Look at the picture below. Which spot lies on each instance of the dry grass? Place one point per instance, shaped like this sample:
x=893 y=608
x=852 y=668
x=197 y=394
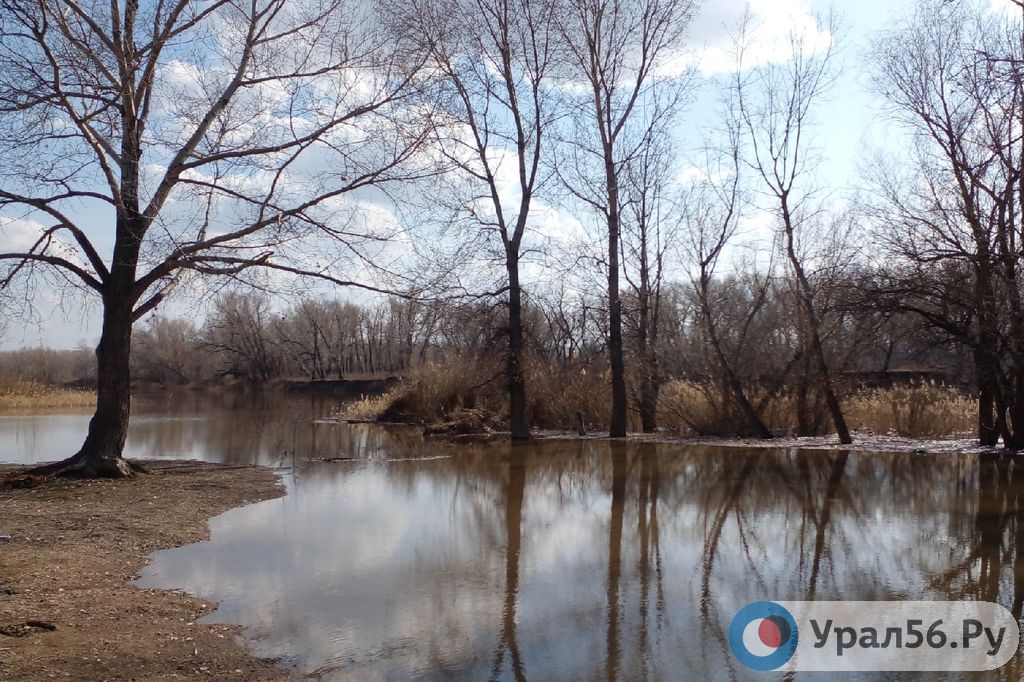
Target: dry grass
x=683 y=406
x=695 y=409
x=924 y=410
x=554 y=395
x=368 y=408
x=429 y=392
x=21 y=394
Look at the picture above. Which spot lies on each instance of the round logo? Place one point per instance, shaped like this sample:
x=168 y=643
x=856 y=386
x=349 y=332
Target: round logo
x=763 y=635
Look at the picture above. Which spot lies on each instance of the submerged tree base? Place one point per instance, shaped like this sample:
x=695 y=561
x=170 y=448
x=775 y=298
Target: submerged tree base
x=89 y=465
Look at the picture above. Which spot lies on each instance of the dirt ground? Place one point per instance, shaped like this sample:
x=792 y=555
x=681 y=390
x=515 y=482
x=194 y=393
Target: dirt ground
x=72 y=547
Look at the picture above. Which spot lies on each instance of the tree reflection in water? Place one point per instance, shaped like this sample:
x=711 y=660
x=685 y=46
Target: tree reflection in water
x=514 y=491
x=588 y=559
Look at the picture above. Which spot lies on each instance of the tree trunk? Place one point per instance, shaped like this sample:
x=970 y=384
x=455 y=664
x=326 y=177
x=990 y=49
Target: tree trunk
x=814 y=332
x=518 y=423
x=648 y=369
x=100 y=454
x=617 y=427
x=647 y=340
x=988 y=432
x=842 y=430
x=803 y=416
x=1015 y=416
x=649 y=389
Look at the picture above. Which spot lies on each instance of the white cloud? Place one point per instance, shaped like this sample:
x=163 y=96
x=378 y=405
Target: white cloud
x=772 y=25
x=21 y=234
x=18 y=234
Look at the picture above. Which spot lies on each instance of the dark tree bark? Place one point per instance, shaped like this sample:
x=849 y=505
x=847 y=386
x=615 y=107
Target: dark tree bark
x=988 y=430
x=108 y=428
x=645 y=345
x=616 y=359
x=100 y=454
x=519 y=424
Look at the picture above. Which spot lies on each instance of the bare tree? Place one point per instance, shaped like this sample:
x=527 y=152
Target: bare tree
x=568 y=333
x=775 y=103
x=238 y=330
x=954 y=75
x=167 y=351
x=306 y=335
x=648 y=233
x=620 y=54
x=493 y=59
x=200 y=138
x=712 y=207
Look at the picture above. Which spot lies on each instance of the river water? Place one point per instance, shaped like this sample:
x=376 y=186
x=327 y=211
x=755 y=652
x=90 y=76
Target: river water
x=557 y=560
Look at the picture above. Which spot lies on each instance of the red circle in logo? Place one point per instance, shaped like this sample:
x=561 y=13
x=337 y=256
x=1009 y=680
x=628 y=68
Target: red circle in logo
x=769 y=633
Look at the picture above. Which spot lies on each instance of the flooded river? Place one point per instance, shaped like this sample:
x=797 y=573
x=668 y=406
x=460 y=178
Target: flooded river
x=558 y=560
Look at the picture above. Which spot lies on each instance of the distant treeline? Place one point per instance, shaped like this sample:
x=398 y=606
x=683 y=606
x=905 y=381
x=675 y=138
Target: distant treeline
x=756 y=345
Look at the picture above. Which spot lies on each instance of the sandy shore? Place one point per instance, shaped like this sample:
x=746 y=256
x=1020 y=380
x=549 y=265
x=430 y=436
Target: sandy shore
x=66 y=610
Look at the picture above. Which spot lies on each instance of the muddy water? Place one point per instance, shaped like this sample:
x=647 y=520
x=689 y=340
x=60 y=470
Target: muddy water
x=565 y=560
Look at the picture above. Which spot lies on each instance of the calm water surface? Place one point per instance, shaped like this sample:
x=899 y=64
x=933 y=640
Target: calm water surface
x=556 y=560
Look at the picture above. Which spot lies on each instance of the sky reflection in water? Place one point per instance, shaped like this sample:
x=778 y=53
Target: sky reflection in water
x=556 y=560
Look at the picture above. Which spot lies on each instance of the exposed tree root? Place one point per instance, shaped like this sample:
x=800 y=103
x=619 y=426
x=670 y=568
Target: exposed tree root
x=84 y=465
x=18 y=481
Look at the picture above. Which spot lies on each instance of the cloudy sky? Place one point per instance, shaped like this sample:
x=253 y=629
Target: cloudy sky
x=850 y=123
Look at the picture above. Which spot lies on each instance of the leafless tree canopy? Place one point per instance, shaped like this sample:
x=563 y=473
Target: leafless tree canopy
x=953 y=76
x=146 y=141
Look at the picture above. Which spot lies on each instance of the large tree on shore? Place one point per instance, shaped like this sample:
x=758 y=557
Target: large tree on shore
x=147 y=141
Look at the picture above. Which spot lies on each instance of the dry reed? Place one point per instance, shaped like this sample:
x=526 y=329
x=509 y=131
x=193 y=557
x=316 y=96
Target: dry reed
x=21 y=394
x=555 y=394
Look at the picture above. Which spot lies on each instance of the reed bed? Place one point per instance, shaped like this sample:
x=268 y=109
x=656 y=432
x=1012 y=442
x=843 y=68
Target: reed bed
x=923 y=410
x=21 y=394
x=554 y=395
